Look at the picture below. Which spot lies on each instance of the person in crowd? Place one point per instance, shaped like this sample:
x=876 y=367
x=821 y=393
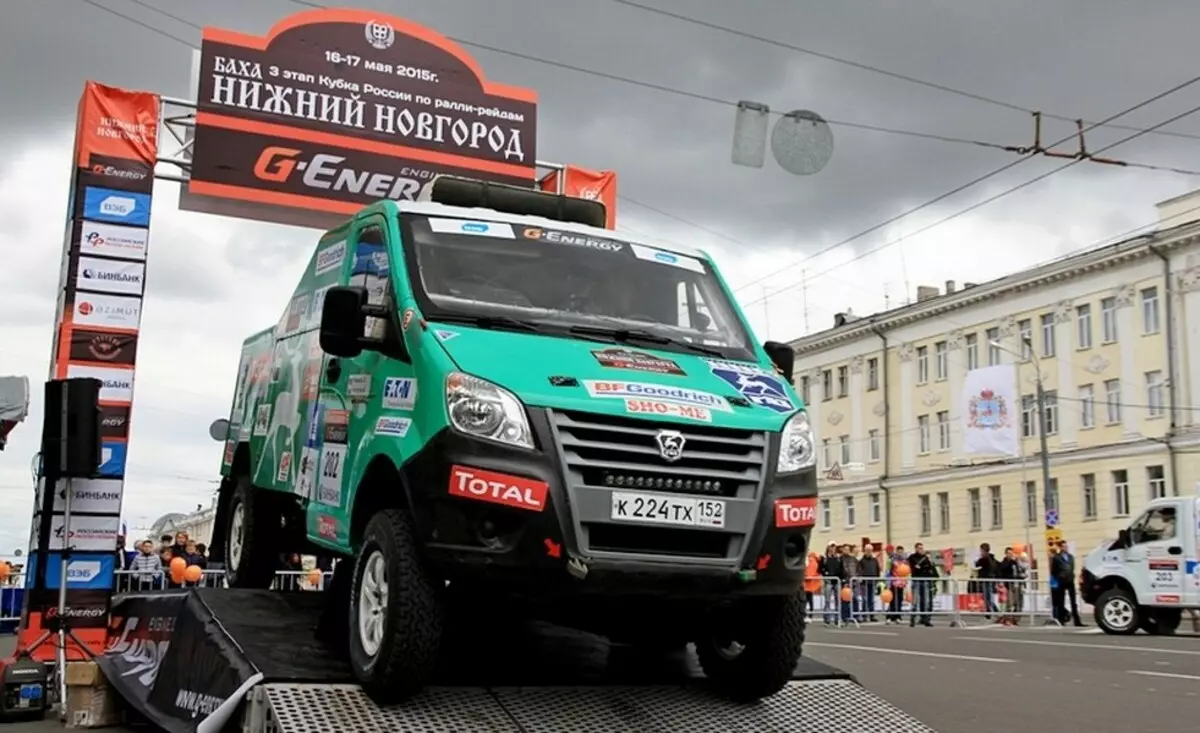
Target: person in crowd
x=868 y=567
x=1012 y=573
x=165 y=541
x=1062 y=573
x=146 y=568
x=924 y=578
x=897 y=585
x=831 y=572
x=194 y=556
x=985 y=571
x=125 y=556
x=812 y=580
x=850 y=579
x=179 y=549
x=166 y=555
x=202 y=550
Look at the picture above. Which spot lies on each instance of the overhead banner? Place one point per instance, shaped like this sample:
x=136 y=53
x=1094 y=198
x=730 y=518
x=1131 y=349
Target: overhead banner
x=587 y=184
x=96 y=331
x=989 y=407
x=334 y=109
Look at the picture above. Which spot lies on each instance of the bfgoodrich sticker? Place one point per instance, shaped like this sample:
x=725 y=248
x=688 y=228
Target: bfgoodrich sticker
x=660 y=392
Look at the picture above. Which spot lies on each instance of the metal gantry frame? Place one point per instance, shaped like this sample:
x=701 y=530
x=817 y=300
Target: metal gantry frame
x=177 y=119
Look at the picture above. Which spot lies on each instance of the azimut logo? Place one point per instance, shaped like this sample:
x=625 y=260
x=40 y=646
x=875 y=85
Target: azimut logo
x=332 y=173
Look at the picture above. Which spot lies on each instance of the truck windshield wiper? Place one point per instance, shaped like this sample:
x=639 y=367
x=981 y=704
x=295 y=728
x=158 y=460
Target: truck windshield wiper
x=496 y=322
x=629 y=335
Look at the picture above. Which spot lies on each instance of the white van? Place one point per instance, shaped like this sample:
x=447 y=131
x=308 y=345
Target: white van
x=1149 y=575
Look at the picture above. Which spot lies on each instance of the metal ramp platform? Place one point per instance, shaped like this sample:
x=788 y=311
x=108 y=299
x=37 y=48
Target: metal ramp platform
x=807 y=706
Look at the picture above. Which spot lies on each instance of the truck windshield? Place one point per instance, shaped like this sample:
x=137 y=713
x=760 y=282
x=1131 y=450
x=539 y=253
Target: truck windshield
x=565 y=283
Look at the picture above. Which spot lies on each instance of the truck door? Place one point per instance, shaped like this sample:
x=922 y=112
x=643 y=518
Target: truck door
x=1190 y=529
x=347 y=389
x=1155 y=558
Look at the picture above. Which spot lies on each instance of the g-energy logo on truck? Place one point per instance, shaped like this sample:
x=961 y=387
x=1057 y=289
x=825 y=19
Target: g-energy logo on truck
x=380 y=178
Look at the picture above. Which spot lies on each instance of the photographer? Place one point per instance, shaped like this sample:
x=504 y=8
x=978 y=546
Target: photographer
x=924 y=575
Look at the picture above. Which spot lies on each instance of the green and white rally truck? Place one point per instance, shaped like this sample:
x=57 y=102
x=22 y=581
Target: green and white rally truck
x=487 y=397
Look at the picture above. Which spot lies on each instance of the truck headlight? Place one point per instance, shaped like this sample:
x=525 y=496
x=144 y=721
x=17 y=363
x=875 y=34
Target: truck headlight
x=478 y=407
x=796 y=446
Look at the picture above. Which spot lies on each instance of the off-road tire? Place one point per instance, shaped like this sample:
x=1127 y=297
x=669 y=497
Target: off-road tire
x=412 y=629
x=1160 y=621
x=771 y=632
x=333 y=627
x=260 y=547
x=1117 y=596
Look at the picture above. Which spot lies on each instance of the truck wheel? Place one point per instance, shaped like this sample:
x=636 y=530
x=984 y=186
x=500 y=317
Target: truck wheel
x=396 y=612
x=751 y=650
x=251 y=550
x=1161 y=621
x=1117 y=612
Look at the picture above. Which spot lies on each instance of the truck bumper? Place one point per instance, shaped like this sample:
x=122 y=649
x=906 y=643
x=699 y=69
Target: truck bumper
x=567 y=543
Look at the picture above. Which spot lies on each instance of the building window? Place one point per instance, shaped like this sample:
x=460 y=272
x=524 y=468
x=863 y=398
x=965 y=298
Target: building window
x=826 y=514
x=1087 y=406
x=1156 y=481
x=993 y=339
x=1112 y=396
x=876 y=508
x=850 y=513
x=923 y=433
x=971 y=345
x=873 y=444
x=805 y=390
x=1088 y=484
x=1051 y=401
x=976 y=509
x=843 y=381
x=1083 y=326
x=922 y=364
x=872 y=374
x=1026 y=329
x=1028 y=416
x=1150 y=310
x=1051 y=499
x=1108 y=319
x=1031 y=508
x=844 y=446
x=944 y=512
x=1047 y=334
x=943 y=420
x=827 y=385
x=997 y=500
x=1120 y=485
x=926 y=518
x=1154 y=394
x=825 y=455
x=941 y=359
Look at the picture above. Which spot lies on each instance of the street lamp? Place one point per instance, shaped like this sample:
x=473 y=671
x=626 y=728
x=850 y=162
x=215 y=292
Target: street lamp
x=1047 y=503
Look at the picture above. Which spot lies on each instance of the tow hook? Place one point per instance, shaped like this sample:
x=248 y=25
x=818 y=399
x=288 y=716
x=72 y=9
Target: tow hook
x=577 y=567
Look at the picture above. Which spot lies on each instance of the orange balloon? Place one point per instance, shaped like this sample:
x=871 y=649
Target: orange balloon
x=5 y=569
x=847 y=595
x=886 y=596
x=178 y=564
x=193 y=574
x=177 y=574
x=903 y=570
x=314 y=577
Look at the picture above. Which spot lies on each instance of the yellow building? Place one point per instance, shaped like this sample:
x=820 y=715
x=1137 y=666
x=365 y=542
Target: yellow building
x=885 y=393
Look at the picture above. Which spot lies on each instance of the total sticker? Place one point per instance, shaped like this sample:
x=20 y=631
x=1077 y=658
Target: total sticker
x=329 y=484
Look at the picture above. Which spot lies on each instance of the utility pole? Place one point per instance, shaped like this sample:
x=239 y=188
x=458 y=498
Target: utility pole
x=804 y=296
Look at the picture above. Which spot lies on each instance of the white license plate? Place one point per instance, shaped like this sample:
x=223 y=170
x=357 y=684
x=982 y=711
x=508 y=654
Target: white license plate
x=667 y=509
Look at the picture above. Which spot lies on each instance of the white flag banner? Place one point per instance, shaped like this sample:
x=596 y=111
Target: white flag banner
x=990 y=409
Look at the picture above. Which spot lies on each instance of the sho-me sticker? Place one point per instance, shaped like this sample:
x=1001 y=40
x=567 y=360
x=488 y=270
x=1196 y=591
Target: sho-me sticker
x=399 y=393
x=668 y=409
x=754 y=383
x=473 y=228
x=663 y=257
x=394 y=426
x=662 y=392
x=637 y=361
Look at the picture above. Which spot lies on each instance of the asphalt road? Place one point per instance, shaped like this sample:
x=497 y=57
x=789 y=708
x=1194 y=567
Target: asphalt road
x=1000 y=680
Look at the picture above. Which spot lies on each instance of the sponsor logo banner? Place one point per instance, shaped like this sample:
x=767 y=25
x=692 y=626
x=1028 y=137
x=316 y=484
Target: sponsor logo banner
x=399 y=393
x=659 y=392
x=663 y=257
x=112 y=348
x=116 y=125
x=109 y=276
x=755 y=384
x=86 y=608
x=796 y=512
x=495 y=229
x=114 y=172
x=498 y=488
x=111 y=240
x=587 y=184
x=107 y=311
x=358 y=80
x=394 y=426
x=112 y=459
x=574 y=239
x=116 y=385
x=114 y=422
x=638 y=361
x=91 y=571
x=668 y=409
x=87 y=533
x=116 y=207
x=88 y=496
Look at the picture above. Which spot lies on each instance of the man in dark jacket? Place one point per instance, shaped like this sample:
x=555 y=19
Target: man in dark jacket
x=868 y=568
x=849 y=576
x=831 y=572
x=924 y=577
x=1062 y=567
x=1012 y=573
x=985 y=570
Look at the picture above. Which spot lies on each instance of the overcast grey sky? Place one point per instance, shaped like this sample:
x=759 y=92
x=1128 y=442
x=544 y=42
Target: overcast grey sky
x=213 y=280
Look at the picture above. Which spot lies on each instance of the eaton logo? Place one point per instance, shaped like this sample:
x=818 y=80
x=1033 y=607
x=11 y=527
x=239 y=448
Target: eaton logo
x=399 y=393
x=117 y=207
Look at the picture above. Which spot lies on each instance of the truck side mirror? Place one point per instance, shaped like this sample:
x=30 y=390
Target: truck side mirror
x=782 y=356
x=343 y=321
